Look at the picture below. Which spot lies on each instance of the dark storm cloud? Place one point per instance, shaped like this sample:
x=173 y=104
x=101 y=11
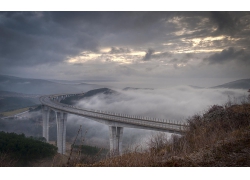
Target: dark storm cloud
x=226 y=23
x=36 y=38
x=168 y=57
x=229 y=55
x=50 y=38
x=148 y=54
x=184 y=59
x=30 y=38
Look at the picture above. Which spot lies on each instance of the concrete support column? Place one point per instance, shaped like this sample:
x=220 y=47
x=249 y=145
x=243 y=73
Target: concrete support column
x=45 y=116
x=115 y=139
x=61 y=120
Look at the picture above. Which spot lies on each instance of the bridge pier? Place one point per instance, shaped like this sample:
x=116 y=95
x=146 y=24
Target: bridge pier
x=115 y=139
x=61 y=120
x=45 y=116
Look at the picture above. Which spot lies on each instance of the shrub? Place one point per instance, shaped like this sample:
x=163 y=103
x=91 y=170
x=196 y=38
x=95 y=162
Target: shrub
x=25 y=149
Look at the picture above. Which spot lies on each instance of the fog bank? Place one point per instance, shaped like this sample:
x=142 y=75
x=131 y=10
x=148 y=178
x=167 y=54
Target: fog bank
x=176 y=103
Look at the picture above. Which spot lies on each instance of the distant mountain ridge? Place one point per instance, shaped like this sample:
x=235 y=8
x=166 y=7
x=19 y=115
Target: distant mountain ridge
x=10 y=93
x=132 y=88
x=196 y=87
x=72 y=99
x=77 y=81
x=94 y=92
x=13 y=100
x=40 y=86
x=238 y=84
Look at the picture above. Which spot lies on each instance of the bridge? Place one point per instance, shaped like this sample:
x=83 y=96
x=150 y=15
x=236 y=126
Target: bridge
x=115 y=121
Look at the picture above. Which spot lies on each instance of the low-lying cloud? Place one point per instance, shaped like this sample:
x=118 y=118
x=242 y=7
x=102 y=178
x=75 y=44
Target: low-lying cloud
x=177 y=104
x=97 y=134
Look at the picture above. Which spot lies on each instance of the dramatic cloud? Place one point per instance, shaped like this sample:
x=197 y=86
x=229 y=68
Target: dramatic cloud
x=28 y=39
x=225 y=21
x=228 y=55
x=148 y=54
x=115 y=50
x=93 y=45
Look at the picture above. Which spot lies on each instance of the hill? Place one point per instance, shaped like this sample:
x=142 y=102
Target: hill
x=95 y=92
x=132 y=88
x=12 y=103
x=40 y=86
x=13 y=100
x=196 y=87
x=18 y=150
x=16 y=94
x=71 y=100
x=239 y=84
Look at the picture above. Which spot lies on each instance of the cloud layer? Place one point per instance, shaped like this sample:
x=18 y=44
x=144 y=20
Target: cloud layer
x=95 y=45
x=177 y=103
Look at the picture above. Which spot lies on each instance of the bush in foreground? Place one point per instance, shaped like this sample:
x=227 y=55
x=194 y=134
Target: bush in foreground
x=24 y=149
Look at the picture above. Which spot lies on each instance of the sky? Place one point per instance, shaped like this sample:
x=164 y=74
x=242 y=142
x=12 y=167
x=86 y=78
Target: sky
x=127 y=48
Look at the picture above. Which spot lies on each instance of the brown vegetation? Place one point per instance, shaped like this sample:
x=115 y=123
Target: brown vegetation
x=6 y=160
x=219 y=137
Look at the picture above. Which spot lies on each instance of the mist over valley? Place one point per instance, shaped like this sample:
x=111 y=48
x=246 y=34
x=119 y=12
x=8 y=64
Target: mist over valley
x=174 y=104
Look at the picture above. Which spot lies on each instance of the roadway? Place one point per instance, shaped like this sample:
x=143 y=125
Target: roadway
x=111 y=118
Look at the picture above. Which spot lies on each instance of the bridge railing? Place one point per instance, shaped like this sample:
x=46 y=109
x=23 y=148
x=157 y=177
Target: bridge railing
x=134 y=117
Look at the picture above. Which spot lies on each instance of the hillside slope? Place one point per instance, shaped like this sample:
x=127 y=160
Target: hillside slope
x=13 y=100
x=73 y=99
x=40 y=86
x=219 y=137
x=11 y=103
x=239 y=84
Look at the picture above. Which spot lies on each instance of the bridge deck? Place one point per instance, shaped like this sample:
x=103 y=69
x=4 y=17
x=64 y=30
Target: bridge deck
x=152 y=123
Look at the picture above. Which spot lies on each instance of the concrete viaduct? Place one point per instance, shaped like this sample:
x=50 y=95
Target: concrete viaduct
x=115 y=121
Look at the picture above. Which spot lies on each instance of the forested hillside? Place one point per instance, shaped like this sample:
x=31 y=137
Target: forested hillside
x=19 y=150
